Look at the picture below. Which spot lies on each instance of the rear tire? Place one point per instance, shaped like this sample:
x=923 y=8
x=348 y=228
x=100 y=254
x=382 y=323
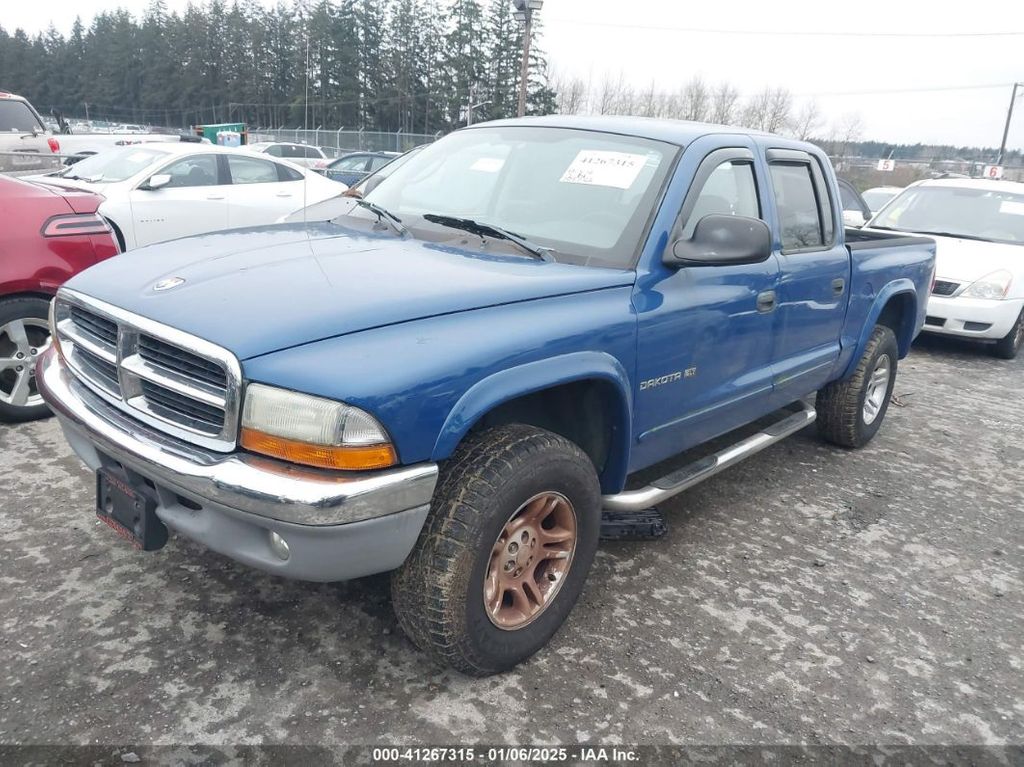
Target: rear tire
x=850 y=412
x=1007 y=347
x=24 y=336
x=490 y=531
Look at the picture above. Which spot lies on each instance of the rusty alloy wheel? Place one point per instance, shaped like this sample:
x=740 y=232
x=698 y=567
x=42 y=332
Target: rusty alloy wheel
x=530 y=560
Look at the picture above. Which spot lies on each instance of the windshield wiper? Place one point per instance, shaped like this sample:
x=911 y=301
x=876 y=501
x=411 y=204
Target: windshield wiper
x=483 y=230
x=383 y=213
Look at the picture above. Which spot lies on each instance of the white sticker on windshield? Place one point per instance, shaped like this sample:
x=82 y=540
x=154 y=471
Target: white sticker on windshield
x=600 y=168
x=1010 y=206
x=488 y=164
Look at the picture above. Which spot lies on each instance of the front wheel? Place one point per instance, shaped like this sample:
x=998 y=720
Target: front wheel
x=850 y=412
x=24 y=336
x=502 y=558
x=1008 y=346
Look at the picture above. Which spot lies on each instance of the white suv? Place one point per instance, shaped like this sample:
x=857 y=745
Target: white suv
x=24 y=143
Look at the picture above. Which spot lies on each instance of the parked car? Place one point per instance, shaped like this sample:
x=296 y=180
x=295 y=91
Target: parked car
x=25 y=146
x=878 y=196
x=48 y=237
x=301 y=154
x=157 y=192
x=978 y=226
x=354 y=167
x=343 y=203
x=855 y=210
x=454 y=383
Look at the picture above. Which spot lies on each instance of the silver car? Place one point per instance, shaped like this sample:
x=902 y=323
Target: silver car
x=24 y=143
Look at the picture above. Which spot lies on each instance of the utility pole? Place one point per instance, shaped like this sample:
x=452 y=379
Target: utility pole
x=1006 y=128
x=524 y=15
x=469 y=105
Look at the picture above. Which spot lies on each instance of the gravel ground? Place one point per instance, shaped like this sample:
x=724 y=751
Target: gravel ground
x=811 y=595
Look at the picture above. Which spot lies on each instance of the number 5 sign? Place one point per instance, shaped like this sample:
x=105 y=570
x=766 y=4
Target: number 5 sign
x=886 y=165
x=993 y=171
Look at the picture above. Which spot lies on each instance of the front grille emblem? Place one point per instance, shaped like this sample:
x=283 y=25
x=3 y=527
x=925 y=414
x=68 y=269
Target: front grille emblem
x=170 y=282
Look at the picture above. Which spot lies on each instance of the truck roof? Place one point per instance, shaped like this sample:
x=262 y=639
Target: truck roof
x=681 y=132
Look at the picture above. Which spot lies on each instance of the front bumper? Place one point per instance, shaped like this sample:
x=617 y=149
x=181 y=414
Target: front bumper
x=972 y=317
x=337 y=525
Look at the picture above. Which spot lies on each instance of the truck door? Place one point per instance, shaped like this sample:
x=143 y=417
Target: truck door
x=814 y=275
x=705 y=332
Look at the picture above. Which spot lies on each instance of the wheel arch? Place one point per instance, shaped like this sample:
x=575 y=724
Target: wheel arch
x=895 y=307
x=583 y=396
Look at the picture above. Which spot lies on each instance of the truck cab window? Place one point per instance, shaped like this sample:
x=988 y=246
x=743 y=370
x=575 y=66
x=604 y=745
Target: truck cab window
x=729 y=190
x=799 y=216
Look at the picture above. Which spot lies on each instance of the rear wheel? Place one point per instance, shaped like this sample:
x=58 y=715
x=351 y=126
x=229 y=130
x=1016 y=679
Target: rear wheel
x=502 y=558
x=1008 y=346
x=24 y=336
x=850 y=412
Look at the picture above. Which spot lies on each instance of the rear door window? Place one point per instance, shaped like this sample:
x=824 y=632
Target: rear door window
x=800 y=221
x=249 y=170
x=16 y=117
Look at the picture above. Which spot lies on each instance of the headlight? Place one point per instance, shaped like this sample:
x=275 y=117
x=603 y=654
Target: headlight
x=313 y=431
x=994 y=286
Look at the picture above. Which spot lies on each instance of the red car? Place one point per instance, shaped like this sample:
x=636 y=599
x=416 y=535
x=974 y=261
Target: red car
x=49 y=235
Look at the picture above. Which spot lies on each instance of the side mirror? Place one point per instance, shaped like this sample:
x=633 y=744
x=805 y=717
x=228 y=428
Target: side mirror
x=157 y=181
x=722 y=240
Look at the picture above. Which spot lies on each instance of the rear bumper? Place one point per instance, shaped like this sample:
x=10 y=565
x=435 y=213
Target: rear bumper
x=337 y=526
x=972 y=317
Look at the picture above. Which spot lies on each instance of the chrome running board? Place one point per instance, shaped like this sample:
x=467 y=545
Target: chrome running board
x=686 y=477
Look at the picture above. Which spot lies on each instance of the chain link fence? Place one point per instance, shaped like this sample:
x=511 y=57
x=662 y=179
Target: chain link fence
x=337 y=142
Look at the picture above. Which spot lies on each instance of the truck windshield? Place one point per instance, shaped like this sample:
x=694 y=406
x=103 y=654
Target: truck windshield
x=584 y=195
x=16 y=117
x=957 y=211
x=114 y=165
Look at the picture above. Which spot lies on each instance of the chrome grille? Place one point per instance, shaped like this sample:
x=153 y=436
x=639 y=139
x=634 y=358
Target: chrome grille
x=168 y=379
x=944 y=288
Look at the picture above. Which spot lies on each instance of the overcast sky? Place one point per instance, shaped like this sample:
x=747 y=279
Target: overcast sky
x=929 y=72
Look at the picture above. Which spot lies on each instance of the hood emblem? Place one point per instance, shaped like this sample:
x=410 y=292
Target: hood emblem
x=170 y=282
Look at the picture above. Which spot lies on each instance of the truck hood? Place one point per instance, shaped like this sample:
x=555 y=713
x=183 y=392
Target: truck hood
x=256 y=291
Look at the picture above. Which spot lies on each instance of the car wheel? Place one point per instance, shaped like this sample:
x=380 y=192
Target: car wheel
x=506 y=548
x=24 y=336
x=850 y=412
x=1008 y=346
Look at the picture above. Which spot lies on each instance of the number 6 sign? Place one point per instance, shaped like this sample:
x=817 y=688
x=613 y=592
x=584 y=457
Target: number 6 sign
x=993 y=171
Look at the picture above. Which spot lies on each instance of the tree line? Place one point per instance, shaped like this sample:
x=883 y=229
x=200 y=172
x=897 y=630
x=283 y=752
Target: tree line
x=383 y=65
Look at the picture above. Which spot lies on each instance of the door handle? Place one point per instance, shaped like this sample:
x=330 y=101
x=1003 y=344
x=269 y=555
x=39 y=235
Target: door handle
x=284 y=194
x=766 y=301
x=838 y=286
x=215 y=197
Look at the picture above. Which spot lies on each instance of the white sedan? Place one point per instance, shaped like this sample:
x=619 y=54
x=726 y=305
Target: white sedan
x=157 y=192
x=978 y=227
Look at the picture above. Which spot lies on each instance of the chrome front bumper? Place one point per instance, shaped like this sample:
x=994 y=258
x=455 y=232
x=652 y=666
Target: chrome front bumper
x=243 y=482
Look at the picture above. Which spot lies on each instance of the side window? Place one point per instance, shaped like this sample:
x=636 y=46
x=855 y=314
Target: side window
x=356 y=162
x=274 y=150
x=312 y=152
x=249 y=170
x=284 y=173
x=379 y=162
x=848 y=198
x=799 y=216
x=730 y=190
x=197 y=170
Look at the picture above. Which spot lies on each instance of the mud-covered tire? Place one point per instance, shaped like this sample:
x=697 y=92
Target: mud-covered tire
x=842 y=415
x=1009 y=345
x=24 y=331
x=438 y=593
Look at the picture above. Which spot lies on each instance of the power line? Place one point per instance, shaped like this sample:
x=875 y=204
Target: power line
x=778 y=32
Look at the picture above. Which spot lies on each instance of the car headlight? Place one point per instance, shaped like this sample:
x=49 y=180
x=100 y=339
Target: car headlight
x=313 y=431
x=992 y=286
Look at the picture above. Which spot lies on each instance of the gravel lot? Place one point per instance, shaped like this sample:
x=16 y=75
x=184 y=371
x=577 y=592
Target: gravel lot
x=810 y=595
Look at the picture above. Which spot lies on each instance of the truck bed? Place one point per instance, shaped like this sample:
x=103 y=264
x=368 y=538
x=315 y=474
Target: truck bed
x=861 y=239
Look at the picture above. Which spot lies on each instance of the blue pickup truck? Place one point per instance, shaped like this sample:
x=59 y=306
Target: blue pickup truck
x=453 y=380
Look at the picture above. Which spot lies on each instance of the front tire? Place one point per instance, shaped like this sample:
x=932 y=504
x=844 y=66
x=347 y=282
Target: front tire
x=1007 y=347
x=850 y=412
x=511 y=535
x=24 y=336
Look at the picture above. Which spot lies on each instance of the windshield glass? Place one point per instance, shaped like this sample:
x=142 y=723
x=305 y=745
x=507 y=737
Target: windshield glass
x=586 y=195
x=17 y=117
x=983 y=214
x=876 y=198
x=114 y=165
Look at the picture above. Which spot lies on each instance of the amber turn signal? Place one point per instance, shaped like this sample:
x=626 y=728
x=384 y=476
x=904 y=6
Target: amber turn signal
x=344 y=458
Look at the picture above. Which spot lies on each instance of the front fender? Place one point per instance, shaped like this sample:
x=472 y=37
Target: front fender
x=909 y=325
x=519 y=381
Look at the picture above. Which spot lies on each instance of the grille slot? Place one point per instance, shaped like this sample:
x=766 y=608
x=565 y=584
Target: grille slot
x=945 y=288
x=178 y=360
x=168 y=379
x=177 y=407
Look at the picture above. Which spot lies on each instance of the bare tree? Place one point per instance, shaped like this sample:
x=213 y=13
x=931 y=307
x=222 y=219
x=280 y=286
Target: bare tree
x=724 y=101
x=807 y=121
x=769 y=110
x=696 y=100
x=846 y=130
x=610 y=95
x=572 y=95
